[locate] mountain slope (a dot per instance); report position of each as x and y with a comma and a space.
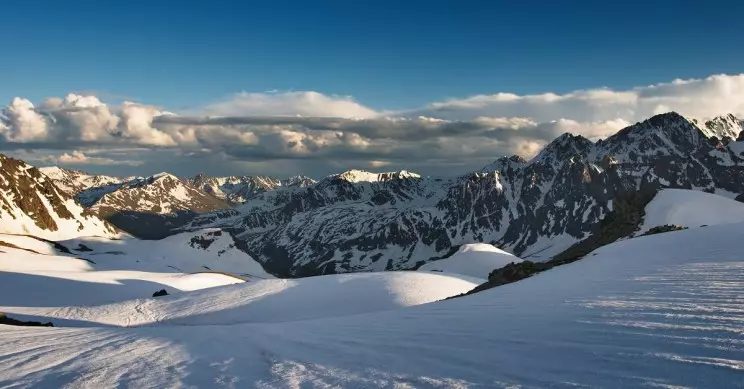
146, 207
241, 189
358, 221
472, 260
30, 203
75, 182
690, 209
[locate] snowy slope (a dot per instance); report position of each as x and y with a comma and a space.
30, 279
473, 260
264, 301
655, 311
160, 194
74, 182
31, 204
197, 251
688, 208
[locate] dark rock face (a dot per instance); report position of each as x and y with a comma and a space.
536, 209
27, 193
161, 292
663, 229
15, 322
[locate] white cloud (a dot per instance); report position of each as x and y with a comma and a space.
377, 164
79, 158
306, 103
22, 122
701, 98
268, 129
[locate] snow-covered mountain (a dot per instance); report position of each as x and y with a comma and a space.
148, 207
358, 221
241, 189
73, 182
30, 203
722, 127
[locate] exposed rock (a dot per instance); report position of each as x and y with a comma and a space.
161, 292
238, 190
14, 322
30, 203
662, 229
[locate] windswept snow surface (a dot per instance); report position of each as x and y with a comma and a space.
657, 311
473, 260
32, 280
268, 301
691, 208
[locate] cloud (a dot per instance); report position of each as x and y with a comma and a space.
310, 131
79, 158
701, 98
308, 104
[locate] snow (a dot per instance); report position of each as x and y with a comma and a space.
30, 243
16, 221
690, 208
29, 279
176, 252
472, 260
656, 311
262, 301
356, 176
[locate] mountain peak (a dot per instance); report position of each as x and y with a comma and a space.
562, 148
356, 175
504, 163
724, 126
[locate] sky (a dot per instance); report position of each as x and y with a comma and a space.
128, 87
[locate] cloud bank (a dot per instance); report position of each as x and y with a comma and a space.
318, 134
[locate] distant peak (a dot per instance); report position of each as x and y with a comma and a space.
563, 147
724, 126
504, 163
355, 175
163, 175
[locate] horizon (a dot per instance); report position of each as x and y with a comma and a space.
277, 90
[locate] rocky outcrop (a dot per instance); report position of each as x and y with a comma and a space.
31, 203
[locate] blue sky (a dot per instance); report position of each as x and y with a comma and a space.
427, 77
387, 54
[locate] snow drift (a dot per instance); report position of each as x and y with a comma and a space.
692, 209
472, 260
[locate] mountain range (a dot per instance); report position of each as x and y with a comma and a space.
361, 221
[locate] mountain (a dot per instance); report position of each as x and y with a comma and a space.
30, 203
149, 207
86, 188
360, 221
241, 189
722, 127
74, 182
